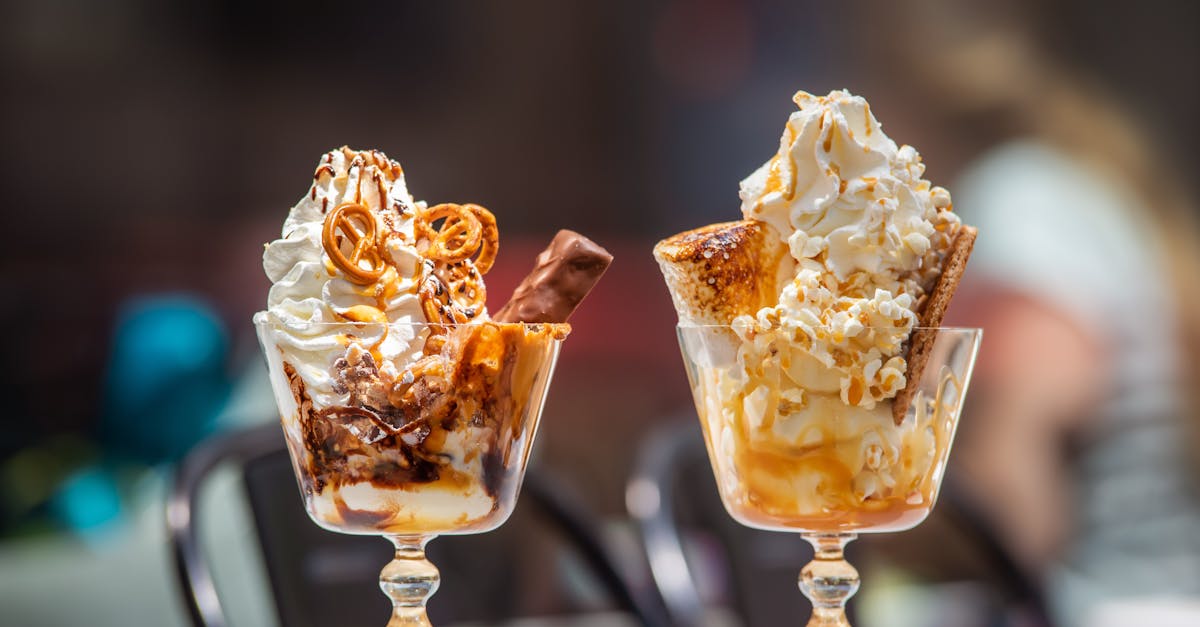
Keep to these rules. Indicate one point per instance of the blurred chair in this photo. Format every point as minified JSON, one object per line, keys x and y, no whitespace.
{"x":699,"y":558}
{"x":687,"y":535}
{"x":323,"y":578}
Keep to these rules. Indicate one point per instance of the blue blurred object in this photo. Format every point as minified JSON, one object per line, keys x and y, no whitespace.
{"x":167,"y":378}
{"x":88,"y":500}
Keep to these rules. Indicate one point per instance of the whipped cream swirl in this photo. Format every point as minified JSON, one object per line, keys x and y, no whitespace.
{"x":868,"y":234}
{"x":309,"y":290}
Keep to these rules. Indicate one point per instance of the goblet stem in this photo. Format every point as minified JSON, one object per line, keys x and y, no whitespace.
{"x":409,"y":580}
{"x":829,"y":580}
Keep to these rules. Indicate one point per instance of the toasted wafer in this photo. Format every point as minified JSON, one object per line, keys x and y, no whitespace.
{"x":718,"y":272}
{"x":921,"y":343}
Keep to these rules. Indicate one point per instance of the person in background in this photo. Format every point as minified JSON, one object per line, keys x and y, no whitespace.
{"x":1078,"y":438}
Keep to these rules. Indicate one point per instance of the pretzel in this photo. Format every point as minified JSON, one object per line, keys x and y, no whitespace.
{"x":452,"y":294}
{"x":466,"y":230}
{"x":437,"y":304}
{"x":439,"y":311}
{"x":465,"y":287}
{"x":459,"y":237}
{"x":490,"y":236}
{"x":365,"y":247}
{"x":431,"y":304}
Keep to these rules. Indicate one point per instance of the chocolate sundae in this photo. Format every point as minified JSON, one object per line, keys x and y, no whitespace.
{"x":406,"y":407}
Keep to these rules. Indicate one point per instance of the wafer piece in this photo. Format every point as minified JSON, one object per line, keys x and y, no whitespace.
{"x":921,"y":342}
{"x":565,"y":272}
{"x":718,"y":272}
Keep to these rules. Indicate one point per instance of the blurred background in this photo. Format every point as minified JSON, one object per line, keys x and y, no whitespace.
{"x":150,"y":149}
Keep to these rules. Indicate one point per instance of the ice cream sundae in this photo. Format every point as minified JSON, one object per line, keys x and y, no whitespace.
{"x":406,"y":407}
{"x":807,"y":326}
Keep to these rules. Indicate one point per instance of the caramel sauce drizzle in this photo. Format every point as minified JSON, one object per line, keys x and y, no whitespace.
{"x":765,"y":494}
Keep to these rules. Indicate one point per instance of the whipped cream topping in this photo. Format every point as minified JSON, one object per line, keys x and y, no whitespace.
{"x":868,"y":235}
{"x":309,"y":289}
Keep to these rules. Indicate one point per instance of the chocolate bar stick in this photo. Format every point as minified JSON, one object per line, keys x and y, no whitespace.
{"x":564,"y":273}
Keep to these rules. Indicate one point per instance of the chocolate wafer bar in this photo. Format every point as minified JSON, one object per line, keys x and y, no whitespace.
{"x":564,"y":273}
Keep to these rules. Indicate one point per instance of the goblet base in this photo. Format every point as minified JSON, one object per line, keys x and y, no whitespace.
{"x":409,"y":580}
{"x":829,"y":580}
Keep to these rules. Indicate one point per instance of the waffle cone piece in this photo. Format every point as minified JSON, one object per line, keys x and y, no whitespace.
{"x":920,"y":345}
{"x":720,"y":271}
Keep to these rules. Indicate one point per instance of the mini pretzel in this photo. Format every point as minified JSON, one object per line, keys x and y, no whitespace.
{"x":435,"y":310}
{"x":459,"y":237}
{"x":357,"y":227}
{"x":437,"y":304}
{"x":464,"y":282}
{"x":466,"y":230}
{"x":453,"y":294}
{"x":431,"y":305}
{"x":490,"y":238}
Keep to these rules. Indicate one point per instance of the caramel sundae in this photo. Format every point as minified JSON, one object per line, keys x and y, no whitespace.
{"x":807,"y":326}
{"x":408,"y":408}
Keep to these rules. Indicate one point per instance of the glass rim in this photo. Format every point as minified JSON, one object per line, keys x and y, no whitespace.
{"x":691,"y":325}
{"x":266,"y":318}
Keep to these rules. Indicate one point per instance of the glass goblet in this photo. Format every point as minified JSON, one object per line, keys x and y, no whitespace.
{"x":789,"y":454}
{"x":408,"y":430}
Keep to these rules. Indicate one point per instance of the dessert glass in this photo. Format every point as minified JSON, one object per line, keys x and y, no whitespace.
{"x":445,"y":453}
{"x":792,"y":456}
